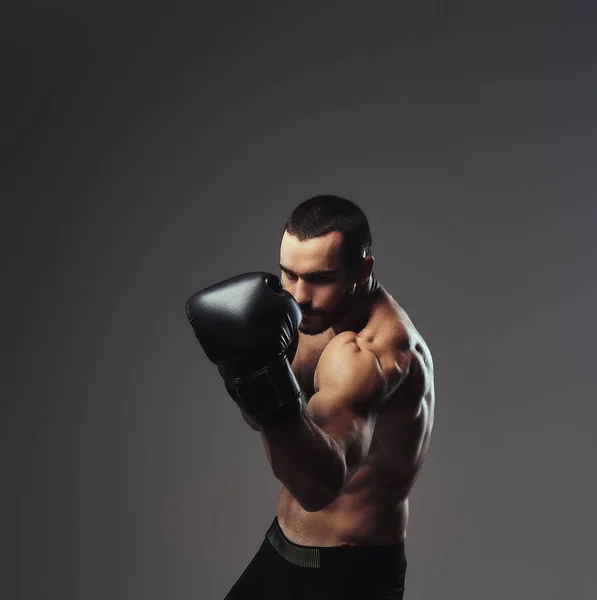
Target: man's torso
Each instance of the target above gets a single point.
(373, 507)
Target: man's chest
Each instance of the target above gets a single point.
(305, 363)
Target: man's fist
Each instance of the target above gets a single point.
(248, 326)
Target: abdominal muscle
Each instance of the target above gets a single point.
(373, 507)
(352, 519)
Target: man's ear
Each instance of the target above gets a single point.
(365, 270)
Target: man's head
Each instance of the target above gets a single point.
(324, 255)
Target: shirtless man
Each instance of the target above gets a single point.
(332, 372)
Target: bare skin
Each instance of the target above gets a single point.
(372, 508)
(348, 464)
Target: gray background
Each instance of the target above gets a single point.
(149, 150)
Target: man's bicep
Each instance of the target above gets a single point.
(345, 406)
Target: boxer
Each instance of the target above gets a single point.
(332, 372)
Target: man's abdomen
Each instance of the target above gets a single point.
(352, 519)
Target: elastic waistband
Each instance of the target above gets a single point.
(336, 557)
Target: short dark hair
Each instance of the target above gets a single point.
(323, 214)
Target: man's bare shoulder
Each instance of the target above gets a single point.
(395, 340)
(343, 353)
(352, 356)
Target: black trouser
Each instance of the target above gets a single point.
(282, 570)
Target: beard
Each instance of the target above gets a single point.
(319, 321)
(313, 329)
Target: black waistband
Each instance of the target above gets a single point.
(336, 557)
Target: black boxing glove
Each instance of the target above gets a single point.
(248, 327)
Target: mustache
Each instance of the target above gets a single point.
(309, 312)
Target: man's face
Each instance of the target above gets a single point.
(314, 273)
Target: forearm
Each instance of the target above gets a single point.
(307, 460)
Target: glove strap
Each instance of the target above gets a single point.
(269, 395)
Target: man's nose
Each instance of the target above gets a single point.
(302, 293)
